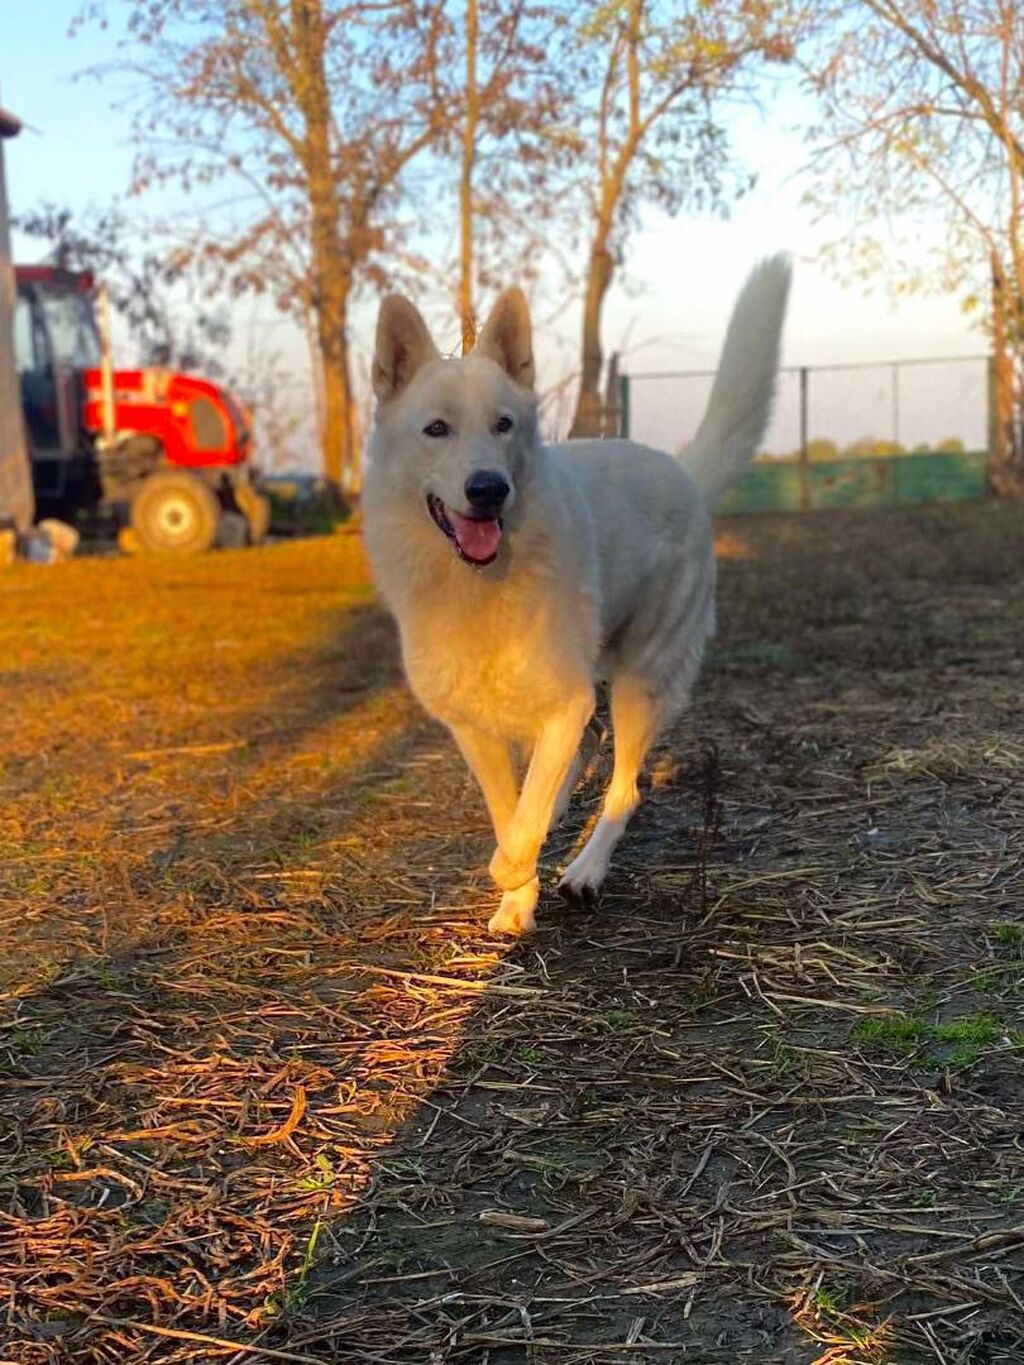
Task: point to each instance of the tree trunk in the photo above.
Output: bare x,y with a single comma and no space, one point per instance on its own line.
469,127
587,421
612,175
331,271
340,458
316,371
1005,466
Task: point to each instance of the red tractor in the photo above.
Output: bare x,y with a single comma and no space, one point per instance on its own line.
164,454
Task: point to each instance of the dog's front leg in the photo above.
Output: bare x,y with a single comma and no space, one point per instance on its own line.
514,865
490,761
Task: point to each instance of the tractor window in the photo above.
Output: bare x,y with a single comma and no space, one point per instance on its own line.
25,358
35,373
72,332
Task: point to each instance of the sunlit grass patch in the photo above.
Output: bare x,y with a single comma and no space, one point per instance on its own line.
979,1029
204,831
1011,937
901,1034
957,1042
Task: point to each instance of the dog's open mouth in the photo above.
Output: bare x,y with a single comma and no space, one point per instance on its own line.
476,539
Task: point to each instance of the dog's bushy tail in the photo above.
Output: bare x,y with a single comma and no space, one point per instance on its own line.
741,399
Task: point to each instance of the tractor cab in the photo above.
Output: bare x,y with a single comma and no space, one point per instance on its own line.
55,343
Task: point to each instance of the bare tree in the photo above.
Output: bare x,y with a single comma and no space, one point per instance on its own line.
514,137
305,114
652,128
470,123
924,120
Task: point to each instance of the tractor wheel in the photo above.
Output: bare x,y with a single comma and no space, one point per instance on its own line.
174,513
255,507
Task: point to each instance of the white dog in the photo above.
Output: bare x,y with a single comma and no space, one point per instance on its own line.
521,574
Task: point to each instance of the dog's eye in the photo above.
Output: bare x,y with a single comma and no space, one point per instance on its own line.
437,429
503,424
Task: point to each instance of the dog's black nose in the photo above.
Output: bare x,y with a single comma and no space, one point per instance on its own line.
486,491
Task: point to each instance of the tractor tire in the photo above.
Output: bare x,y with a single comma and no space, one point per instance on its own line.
175,513
255,507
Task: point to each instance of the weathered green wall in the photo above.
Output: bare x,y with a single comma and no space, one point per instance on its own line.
785,485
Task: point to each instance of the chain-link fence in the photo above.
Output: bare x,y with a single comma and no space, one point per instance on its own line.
828,411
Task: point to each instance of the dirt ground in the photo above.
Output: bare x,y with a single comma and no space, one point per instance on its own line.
269,1090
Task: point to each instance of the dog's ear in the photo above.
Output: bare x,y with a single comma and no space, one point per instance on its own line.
507,337
403,345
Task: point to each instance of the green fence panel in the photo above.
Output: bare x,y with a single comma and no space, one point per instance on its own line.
766,487
852,483
941,478
778,485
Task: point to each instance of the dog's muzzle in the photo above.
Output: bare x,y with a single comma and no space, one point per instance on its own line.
477,537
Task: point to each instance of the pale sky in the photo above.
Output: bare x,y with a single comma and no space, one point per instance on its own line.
670,314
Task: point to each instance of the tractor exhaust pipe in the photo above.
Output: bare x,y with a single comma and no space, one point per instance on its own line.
106,365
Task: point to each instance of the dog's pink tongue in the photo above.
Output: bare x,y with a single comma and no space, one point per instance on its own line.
478,540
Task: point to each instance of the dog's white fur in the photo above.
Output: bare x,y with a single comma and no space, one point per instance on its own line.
605,571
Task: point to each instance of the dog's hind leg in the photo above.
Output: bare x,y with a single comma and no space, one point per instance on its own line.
635,722
490,761
585,755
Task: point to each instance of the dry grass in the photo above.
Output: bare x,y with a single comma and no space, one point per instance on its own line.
269,1091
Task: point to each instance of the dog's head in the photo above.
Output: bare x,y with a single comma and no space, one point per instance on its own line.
456,435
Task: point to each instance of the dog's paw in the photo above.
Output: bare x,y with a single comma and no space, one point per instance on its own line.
515,913
582,879
578,896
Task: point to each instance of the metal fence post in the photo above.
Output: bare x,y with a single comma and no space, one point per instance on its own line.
805,448
610,411
624,405
992,411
